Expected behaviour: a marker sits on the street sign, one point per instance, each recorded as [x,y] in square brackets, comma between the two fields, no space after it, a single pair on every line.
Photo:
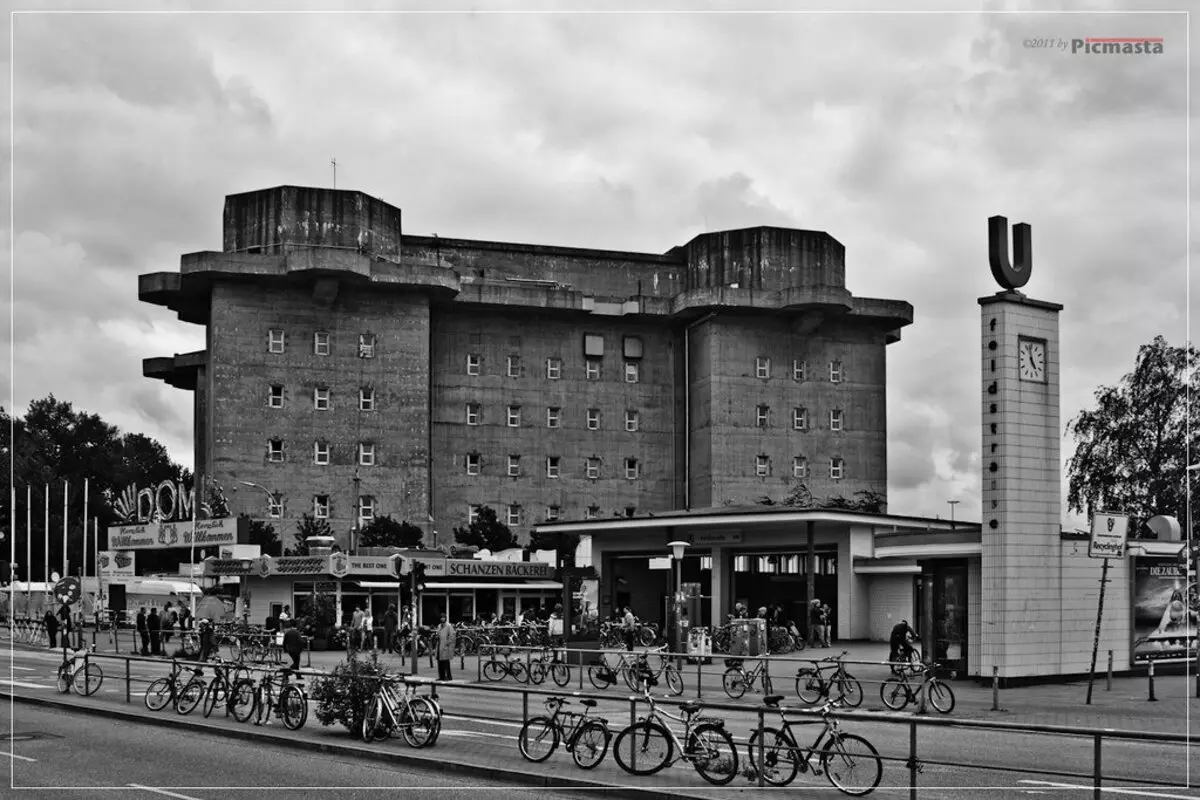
[1109,532]
[68,591]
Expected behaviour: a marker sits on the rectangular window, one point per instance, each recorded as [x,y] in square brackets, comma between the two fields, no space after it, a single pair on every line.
[800,419]
[593,345]
[592,365]
[552,467]
[321,343]
[591,512]
[631,468]
[472,514]
[762,367]
[762,466]
[366,345]
[366,509]
[633,347]
[631,420]
[514,516]
[321,399]
[632,372]
[472,364]
[553,417]
[321,453]
[593,468]
[275,506]
[275,340]
[837,468]
[763,416]
[366,399]
[799,467]
[472,413]
[835,371]
[321,506]
[472,463]
[514,466]
[514,366]
[552,513]
[366,454]
[275,398]
[275,450]
[799,370]
[553,368]
[593,419]
[835,419]
[514,416]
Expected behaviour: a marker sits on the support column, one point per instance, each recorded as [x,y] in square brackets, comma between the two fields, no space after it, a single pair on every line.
[720,586]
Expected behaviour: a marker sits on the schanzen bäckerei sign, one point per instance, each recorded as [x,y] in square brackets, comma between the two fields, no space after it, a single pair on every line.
[209,533]
[463,568]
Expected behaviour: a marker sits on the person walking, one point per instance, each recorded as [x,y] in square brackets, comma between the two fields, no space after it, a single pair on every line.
[391,623]
[153,625]
[51,623]
[167,622]
[143,629]
[354,640]
[629,627]
[293,643]
[826,623]
[816,633]
[445,648]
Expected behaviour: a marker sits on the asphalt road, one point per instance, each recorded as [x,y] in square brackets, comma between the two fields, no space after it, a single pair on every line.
[481,728]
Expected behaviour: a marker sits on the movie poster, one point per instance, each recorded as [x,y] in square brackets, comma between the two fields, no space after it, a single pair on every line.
[1166,611]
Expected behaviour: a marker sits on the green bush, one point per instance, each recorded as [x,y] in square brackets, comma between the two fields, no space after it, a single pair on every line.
[343,694]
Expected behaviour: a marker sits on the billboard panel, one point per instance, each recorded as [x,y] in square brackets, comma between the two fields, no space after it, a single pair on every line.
[1165,611]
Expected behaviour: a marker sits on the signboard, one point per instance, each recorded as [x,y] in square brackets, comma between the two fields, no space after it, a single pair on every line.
[166,502]
[463,568]
[118,563]
[338,565]
[710,537]
[1109,532]
[661,562]
[1165,611]
[209,533]
[244,551]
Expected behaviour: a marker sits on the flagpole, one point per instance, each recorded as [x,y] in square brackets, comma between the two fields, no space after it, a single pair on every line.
[12,562]
[46,531]
[28,543]
[96,560]
[192,555]
[84,554]
[66,490]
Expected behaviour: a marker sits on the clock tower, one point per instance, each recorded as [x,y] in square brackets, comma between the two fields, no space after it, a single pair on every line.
[1020,614]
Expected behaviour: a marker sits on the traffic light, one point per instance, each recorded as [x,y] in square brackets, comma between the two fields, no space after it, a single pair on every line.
[418,572]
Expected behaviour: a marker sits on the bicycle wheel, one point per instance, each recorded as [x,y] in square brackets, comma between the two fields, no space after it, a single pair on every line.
[632,678]
[493,671]
[941,696]
[293,708]
[734,682]
[518,671]
[422,724]
[713,754]
[243,699]
[591,744]
[674,680]
[538,739]
[63,681]
[560,674]
[809,685]
[894,693]
[537,673]
[798,643]
[235,649]
[600,676]
[88,679]
[850,690]
[643,748]
[372,727]
[647,636]
[158,694]
[852,764]
[190,696]
[215,694]
[780,756]
[264,705]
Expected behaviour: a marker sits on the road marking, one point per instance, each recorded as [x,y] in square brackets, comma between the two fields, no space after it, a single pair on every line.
[22,684]
[162,792]
[1136,792]
[477,733]
[23,758]
[486,721]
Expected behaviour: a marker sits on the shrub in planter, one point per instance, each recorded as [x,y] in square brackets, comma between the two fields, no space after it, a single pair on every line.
[342,695]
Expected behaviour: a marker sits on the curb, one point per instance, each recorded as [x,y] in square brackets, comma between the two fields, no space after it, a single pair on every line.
[519,778]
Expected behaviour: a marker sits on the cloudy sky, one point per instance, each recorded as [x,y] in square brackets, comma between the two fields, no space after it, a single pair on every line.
[898,134]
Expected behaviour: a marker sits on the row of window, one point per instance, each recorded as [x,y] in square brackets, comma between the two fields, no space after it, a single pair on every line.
[321,507]
[762,418]
[591,467]
[593,368]
[515,514]
[762,369]
[365,452]
[554,417]
[277,343]
[322,398]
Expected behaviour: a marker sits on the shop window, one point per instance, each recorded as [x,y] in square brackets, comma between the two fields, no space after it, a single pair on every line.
[706,562]
[741,563]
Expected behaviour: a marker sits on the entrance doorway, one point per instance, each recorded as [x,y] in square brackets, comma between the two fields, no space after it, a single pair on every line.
[950,614]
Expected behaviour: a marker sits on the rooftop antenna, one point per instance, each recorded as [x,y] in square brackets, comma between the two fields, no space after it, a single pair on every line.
[333,163]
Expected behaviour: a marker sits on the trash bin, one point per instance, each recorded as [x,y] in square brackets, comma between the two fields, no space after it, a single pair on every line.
[699,647]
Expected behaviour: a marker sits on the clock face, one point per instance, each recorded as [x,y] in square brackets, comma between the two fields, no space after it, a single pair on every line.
[1032,355]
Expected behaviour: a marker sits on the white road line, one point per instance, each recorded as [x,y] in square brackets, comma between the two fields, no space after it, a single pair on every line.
[22,684]
[1114,790]
[163,792]
[14,755]
[485,721]
[478,733]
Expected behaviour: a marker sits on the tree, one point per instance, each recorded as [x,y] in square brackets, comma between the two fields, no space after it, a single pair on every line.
[263,534]
[307,526]
[1131,450]
[384,531]
[864,500]
[486,532]
[564,543]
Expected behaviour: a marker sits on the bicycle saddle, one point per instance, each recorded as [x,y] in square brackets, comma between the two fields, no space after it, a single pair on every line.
[690,707]
[587,703]
[772,699]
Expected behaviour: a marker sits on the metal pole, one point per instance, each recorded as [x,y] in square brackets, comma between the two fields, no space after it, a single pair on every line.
[46,533]
[762,747]
[66,493]
[127,699]
[413,613]
[1152,697]
[1096,767]
[1096,638]
[28,546]
[1108,687]
[912,760]
[995,688]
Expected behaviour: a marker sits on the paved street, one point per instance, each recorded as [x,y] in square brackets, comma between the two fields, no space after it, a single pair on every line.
[481,729]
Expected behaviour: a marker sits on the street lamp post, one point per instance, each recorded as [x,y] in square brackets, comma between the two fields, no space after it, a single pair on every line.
[677,548]
[952,504]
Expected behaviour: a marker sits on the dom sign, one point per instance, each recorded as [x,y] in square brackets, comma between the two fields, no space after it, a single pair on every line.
[166,502]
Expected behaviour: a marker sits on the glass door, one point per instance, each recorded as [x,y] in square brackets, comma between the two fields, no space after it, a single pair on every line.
[950,616]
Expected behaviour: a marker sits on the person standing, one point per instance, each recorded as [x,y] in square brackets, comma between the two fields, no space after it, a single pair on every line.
[391,622]
[826,623]
[167,622]
[368,630]
[354,640]
[445,648]
[206,639]
[51,623]
[629,626]
[816,633]
[153,625]
[293,643]
[143,629]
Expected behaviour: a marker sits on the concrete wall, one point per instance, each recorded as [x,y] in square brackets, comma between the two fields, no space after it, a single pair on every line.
[1080,595]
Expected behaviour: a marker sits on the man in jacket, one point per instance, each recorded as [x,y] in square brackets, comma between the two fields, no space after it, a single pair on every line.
[293,643]
[153,626]
[391,621]
[816,636]
[143,629]
[445,648]
[51,623]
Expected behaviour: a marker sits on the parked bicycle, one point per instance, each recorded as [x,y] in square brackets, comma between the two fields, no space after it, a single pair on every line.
[418,719]
[80,673]
[585,738]
[633,669]
[500,667]
[737,680]
[900,690]
[813,686]
[547,663]
[273,695]
[167,690]
[226,675]
[849,762]
[650,744]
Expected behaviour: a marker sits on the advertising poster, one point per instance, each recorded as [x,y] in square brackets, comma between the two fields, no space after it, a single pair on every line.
[1165,611]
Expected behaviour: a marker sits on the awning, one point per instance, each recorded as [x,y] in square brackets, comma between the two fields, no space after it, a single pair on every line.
[529,585]
[378,584]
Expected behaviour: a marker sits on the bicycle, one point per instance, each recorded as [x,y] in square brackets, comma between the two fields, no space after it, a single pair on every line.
[274,695]
[497,669]
[226,675]
[80,673]
[585,738]
[709,747]
[910,660]
[897,691]
[736,680]
[167,690]
[418,719]
[782,758]
[812,685]
[547,663]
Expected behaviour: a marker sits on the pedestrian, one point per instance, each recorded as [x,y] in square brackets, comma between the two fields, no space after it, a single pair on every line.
[445,648]
[293,644]
[206,639]
[354,639]
[391,622]
[65,623]
[368,630]
[153,624]
[51,623]
[630,629]
[826,622]
[285,616]
[815,634]
[167,623]
[143,629]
